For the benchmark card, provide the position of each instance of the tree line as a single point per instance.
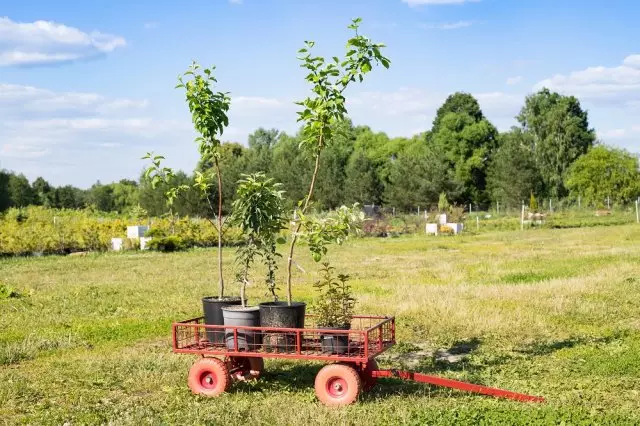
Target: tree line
(551, 153)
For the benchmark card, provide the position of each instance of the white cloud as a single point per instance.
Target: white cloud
(612, 134)
(27, 101)
(402, 111)
(151, 25)
(635, 129)
(235, 1)
(436, 2)
(448, 25)
(511, 81)
(46, 42)
(619, 85)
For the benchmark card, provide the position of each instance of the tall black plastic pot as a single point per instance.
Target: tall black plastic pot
(212, 310)
(283, 315)
(335, 343)
(249, 316)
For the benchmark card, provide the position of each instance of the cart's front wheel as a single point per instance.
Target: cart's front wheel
(338, 385)
(209, 377)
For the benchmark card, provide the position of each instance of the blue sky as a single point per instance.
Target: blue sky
(86, 88)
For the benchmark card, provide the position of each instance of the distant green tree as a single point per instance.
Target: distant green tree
(513, 175)
(330, 189)
(458, 103)
(362, 184)
(468, 142)
(605, 172)
(417, 178)
(101, 196)
(69, 197)
(20, 190)
(561, 134)
(291, 167)
(5, 195)
(125, 195)
(44, 192)
(260, 152)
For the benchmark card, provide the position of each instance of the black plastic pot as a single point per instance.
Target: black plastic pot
(212, 309)
(335, 343)
(249, 316)
(281, 314)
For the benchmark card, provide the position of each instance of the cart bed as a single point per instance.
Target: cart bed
(368, 337)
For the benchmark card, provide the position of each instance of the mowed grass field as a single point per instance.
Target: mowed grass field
(554, 313)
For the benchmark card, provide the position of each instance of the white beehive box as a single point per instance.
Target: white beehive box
(457, 227)
(432, 229)
(117, 244)
(442, 219)
(136, 231)
(144, 241)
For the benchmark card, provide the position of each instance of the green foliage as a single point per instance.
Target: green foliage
(330, 79)
(362, 183)
(167, 244)
(5, 195)
(208, 108)
(513, 174)
(456, 214)
(20, 191)
(58, 231)
(258, 211)
(561, 134)
(605, 172)
(468, 142)
(335, 303)
(458, 103)
(443, 203)
(323, 109)
(533, 203)
(336, 228)
(417, 178)
(7, 292)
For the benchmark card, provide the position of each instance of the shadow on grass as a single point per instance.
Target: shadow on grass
(547, 348)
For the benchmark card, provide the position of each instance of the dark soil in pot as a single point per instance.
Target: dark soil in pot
(212, 309)
(281, 314)
(335, 343)
(249, 316)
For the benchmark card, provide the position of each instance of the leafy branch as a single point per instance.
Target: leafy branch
(327, 106)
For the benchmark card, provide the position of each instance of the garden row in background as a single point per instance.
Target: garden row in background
(40, 230)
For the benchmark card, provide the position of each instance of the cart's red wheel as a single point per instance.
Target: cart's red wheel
(245, 368)
(209, 377)
(366, 374)
(337, 385)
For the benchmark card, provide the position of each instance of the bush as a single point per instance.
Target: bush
(167, 244)
(60, 231)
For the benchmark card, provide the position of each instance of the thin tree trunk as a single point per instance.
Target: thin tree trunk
(221, 278)
(294, 237)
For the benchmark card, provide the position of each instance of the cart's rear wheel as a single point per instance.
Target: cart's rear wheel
(209, 377)
(366, 374)
(338, 385)
(245, 368)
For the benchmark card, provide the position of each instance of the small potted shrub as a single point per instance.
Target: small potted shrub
(334, 309)
(258, 211)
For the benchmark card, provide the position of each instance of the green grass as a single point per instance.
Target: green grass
(551, 312)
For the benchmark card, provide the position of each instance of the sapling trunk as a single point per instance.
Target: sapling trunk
(221, 278)
(294, 237)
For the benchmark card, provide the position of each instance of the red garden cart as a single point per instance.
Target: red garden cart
(351, 354)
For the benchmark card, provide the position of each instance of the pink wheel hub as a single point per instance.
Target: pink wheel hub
(337, 386)
(208, 380)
